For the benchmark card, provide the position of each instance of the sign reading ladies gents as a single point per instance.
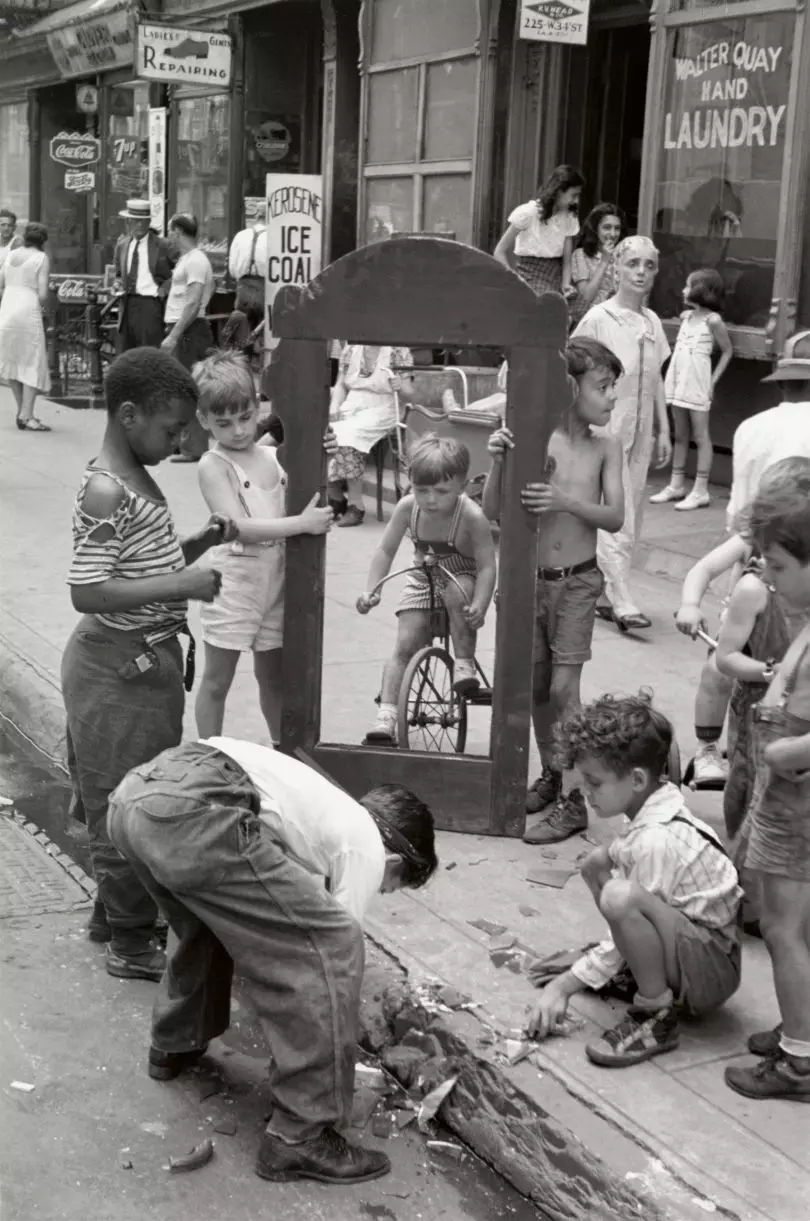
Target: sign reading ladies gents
(167, 53)
(294, 230)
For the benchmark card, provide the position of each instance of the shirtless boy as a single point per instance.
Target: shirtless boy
(583, 494)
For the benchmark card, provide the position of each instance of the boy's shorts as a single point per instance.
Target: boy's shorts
(565, 613)
(710, 963)
(248, 614)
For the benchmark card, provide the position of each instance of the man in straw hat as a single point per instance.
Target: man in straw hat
(143, 265)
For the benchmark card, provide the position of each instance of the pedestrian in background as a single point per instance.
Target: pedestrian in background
(593, 271)
(23, 353)
(122, 669)
(541, 233)
(143, 267)
(188, 331)
(9, 238)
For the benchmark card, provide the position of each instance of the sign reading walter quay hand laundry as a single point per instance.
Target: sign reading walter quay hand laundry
(555, 21)
(167, 53)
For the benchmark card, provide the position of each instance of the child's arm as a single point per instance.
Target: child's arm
(385, 554)
(221, 497)
(506, 245)
(568, 250)
(721, 337)
(486, 568)
(499, 442)
(93, 591)
(218, 529)
(607, 515)
(733, 551)
(747, 601)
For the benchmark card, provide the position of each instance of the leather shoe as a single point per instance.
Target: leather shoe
(166, 1065)
(328, 1158)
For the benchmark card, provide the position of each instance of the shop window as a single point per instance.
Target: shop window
(721, 159)
(14, 159)
(389, 207)
(392, 116)
(446, 205)
(410, 29)
(64, 212)
(450, 109)
(201, 174)
(126, 152)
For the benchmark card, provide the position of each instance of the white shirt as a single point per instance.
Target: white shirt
(191, 268)
(239, 260)
(327, 832)
(759, 442)
(145, 285)
(542, 239)
(675, 862)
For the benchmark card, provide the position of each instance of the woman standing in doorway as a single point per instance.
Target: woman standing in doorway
(541, 233)
(23, 355)
(639, 418)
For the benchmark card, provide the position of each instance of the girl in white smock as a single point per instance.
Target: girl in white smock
(690, 383)
(245, 479)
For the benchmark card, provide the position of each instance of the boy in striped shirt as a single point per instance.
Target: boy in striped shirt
(666, 887)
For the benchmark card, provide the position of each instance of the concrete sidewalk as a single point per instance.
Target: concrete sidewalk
(670, 1128)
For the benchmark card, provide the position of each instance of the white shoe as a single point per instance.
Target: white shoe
(666, 494)
(695, 500)
(383, 732)
(465, 678)
(711, 769)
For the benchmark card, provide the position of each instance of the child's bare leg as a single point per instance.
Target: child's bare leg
(698, 498)
(711, 706)
(354, 493)
(413, 633)
(267, 668)
(785, 922)
(220, 667)
(676, 487)
(465, 678)
(565, 816)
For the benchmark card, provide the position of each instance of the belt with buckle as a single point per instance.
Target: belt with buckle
(559, 574)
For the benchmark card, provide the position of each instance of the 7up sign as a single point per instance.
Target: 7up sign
(555, 21)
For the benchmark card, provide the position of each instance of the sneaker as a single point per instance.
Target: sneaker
(352, 517)
(638, 1037)
(568, 816)
(710, 768)
(383, 732)
(465, 678)
(774, 1077)
(544, 792)
(695, 500)
(149, 965)
(328, 1158)
(166, 1065)
(765, 1042)
(97, 926)
(667, 494)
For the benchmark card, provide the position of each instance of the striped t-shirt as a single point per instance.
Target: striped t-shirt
(144, 543)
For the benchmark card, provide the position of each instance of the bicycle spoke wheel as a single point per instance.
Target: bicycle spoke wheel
(430, 715)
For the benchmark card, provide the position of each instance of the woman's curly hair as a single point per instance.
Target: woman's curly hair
(622, 732)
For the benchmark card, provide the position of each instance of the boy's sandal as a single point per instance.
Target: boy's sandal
(32, 425)
(631, 623)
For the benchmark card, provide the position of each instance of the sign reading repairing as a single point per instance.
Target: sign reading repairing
(168, 53)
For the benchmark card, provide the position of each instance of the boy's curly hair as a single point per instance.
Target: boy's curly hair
(622, 732)
(780, 511)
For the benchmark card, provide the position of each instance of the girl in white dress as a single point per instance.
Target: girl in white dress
(541, 233)
(246, 476)
(690, 383)
(23, 354)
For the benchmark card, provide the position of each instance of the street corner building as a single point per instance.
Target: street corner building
(428, 116)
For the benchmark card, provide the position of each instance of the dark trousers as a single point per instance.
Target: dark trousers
(115, 723)
(142, 325)
(188, 823)
(194, 343)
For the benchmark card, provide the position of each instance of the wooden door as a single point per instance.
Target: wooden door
(421, 292)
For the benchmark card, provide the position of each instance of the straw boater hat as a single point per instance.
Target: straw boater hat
(794, 363)
(137, 209)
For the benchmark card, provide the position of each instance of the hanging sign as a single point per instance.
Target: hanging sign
(555, 21)
(294, 230)
(75, 149)
(157, 168)
(167, 53)
(87, 99)
(255, 209)
(80, 180)
(95, 45)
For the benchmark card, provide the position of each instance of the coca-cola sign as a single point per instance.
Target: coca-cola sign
(75, 149)
(72, 290)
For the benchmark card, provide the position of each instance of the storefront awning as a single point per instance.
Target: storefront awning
(89, 36)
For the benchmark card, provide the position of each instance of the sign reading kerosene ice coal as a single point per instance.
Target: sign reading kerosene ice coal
(294, 230)
(167, 53)
(727, 88)
(563, 21)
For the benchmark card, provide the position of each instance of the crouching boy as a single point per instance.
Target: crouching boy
(666, 887)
